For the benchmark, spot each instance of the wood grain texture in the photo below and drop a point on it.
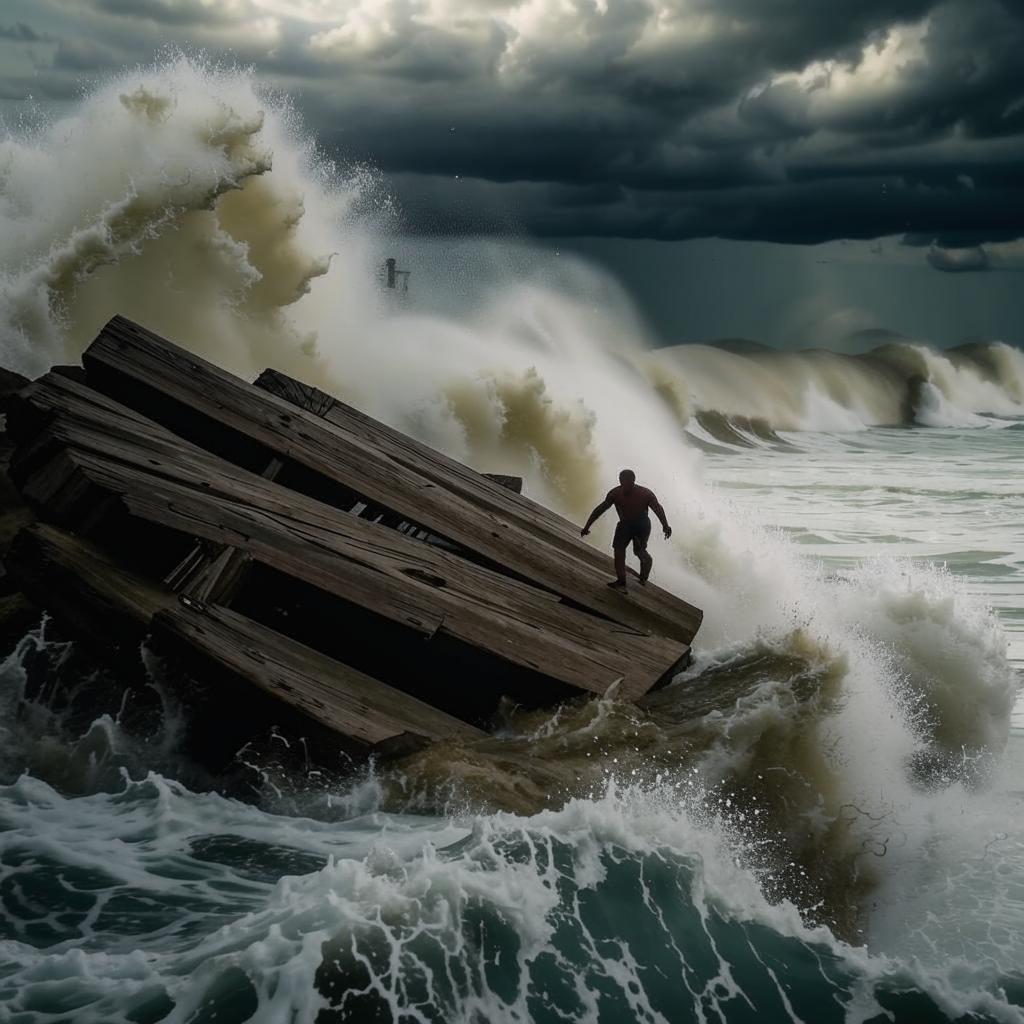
(410, 583)
(447, 499)
(84, 587)
(332, 694)
(166, 484)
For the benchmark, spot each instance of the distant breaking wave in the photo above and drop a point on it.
(743, 398)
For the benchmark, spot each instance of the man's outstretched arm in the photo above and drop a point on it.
(660, 513)
(599, 510)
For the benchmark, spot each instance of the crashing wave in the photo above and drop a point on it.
(976, 385)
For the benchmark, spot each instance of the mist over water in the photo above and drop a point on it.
(840, 751)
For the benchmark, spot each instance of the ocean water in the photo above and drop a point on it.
(819, 821)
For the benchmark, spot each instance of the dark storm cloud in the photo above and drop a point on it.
(793, 120)
(968, 76)
(795, 212)
(798, 122)
(955, 254)
(178, 13)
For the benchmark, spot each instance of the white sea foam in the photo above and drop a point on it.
(428, 919)
(935, 410)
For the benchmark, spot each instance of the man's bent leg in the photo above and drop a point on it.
(646, 561)
(646, 564)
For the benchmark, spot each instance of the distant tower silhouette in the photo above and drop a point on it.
(397, 280)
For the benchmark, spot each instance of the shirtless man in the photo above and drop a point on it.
(631, 502)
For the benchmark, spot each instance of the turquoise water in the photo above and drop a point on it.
(159, 904)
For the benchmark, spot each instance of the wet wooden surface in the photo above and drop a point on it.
(327, 691)
(79, 582)
(420, 586)
(137, 367)
(167, 484)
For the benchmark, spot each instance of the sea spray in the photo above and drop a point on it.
(197, 225)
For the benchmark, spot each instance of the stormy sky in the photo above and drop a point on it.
(817, 165)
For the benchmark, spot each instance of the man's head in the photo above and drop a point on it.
(627, 478)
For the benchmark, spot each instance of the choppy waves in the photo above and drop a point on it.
(154, 903)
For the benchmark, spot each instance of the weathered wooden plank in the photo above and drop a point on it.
(387, 573)
(216, 575)
(485, 489)
(52, 400)
(111, 607)
(305, 396)
(135, 366)
(36, 403)
(359, 476)
(83, 587)
(110, 428)
(85, 427)
(332, 694)
(390, 575)
(81, 404)
(60, 493)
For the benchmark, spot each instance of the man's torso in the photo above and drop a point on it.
(631, 506)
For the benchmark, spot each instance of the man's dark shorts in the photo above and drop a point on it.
(639, 531)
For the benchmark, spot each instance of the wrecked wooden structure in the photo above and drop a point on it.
(307, 560)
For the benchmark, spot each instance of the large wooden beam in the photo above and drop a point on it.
(143, 371)
(110, 607)
(83, 587)
(326, 691)
(412, 584)
(488, 490)
(510, 483)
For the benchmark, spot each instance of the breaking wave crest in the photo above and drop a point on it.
(743, 398)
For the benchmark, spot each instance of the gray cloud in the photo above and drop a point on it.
(1000, 255)
(788, 120)
(802, 125)
(182, 13)
(85, 55)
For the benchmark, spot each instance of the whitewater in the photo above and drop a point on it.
(820, 820)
